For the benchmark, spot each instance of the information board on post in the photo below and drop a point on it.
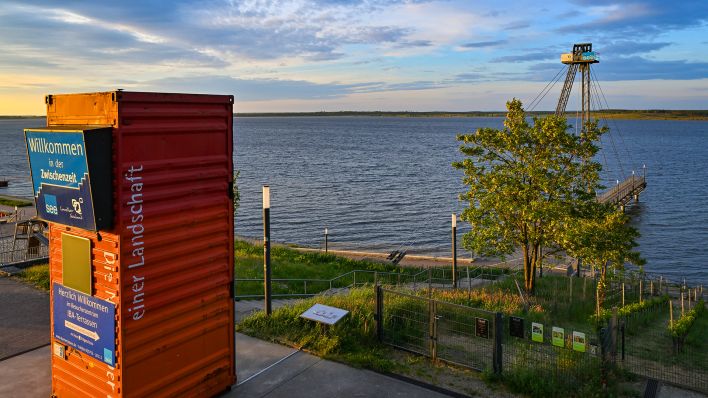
(324, 314)
(85, 323)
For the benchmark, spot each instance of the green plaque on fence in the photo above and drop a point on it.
(579, 341)
(558, 337)
(537, 332)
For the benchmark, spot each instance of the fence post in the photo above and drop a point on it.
(433, 330)
(430, 282)
(671, 313)
(613, 331)
(379, 312)
(469, 284)
(497, 350)
(624, 322)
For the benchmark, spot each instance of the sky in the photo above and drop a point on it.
(332, 55)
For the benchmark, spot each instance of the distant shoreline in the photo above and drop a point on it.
(699, 115)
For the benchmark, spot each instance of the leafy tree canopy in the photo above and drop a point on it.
(530, 184)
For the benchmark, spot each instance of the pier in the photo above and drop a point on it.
(624, 192)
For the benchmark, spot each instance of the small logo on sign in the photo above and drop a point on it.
(77, 205)
(50, 204)
(107, 356)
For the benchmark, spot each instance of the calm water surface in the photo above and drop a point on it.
(383, 183)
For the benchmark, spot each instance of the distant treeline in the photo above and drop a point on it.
(657, 114)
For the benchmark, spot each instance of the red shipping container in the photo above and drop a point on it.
(166, 263)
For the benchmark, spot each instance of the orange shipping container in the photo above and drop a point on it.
(165, 262)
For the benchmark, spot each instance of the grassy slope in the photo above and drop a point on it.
(14, 202)
(37, 275)
(287, 263)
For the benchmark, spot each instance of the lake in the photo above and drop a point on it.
(383, 183)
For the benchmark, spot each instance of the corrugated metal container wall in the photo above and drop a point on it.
(174, 227)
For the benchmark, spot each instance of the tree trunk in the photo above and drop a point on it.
(602, 286)
(529, 268)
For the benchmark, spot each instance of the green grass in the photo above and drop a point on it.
(351, 340)
(14, 202)
(37, 275)
(288, 263)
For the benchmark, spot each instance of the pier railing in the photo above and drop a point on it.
(623, 192)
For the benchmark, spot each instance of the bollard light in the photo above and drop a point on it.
(266, 251)
(266, 197)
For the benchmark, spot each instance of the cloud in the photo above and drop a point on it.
(643, 17)
(249, 89)
(469, 77)
(534, 56)
(415, 43)
(638, 68)
(626, 47)
(481, 44)
(517, 25)
(273, 89)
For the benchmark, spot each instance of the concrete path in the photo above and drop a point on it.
(24, 318)
(28, 375)
(244, 308)
(264, 370)
(289, 373)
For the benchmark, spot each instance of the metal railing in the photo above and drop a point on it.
(468, 277)
(449, 332)
(621, 193)
(16, 256)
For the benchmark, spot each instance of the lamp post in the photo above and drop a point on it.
(266, 250)
(454, 251)
(326, 239)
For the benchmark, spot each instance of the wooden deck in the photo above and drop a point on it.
(624, 192)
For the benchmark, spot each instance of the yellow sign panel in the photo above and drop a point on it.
(76, 263)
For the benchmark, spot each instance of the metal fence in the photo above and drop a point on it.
(480, 339)
(468, 277)
(12, 252)
(563, 349)
(453, 333)
(647, 348)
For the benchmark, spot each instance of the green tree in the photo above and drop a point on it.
(601, 235)
(525, 183)
(235, 192)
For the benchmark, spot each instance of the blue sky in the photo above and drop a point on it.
(311, 55)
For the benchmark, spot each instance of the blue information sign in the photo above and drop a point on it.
(60, 175)
(85, 323)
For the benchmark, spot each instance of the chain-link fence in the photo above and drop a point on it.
(570, 352)
(449, 332)
(647, 347)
